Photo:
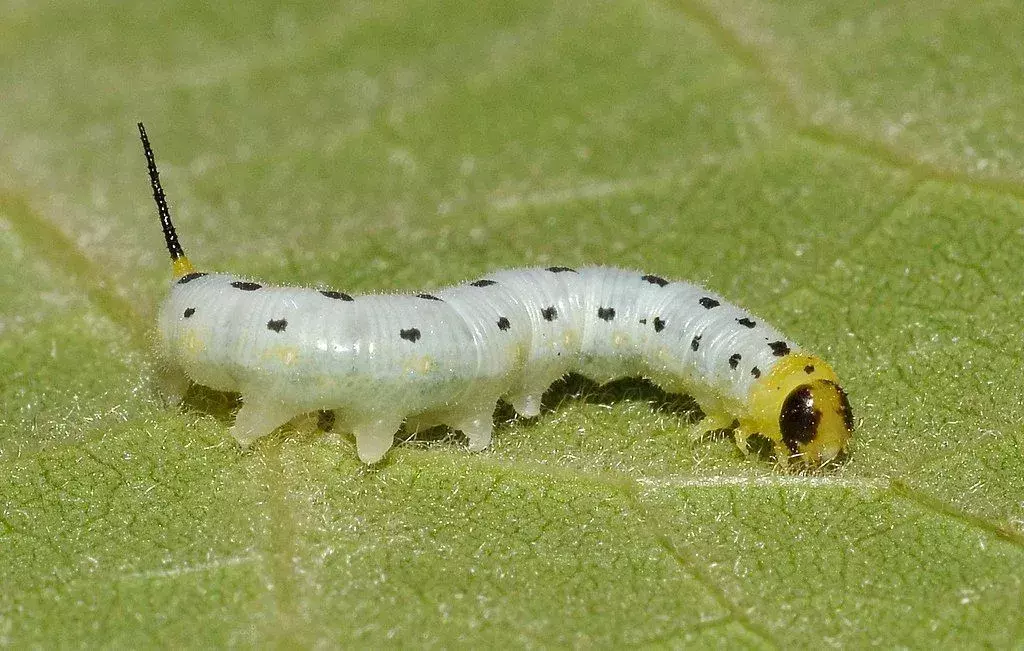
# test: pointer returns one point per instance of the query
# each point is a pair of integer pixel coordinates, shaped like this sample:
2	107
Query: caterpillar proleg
448	357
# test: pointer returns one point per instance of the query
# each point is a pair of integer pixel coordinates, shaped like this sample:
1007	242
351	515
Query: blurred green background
851	171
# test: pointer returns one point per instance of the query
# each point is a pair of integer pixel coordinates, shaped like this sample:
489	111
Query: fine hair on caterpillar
446	357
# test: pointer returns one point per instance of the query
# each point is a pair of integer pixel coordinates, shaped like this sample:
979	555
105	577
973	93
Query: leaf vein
50	243
931	503
754	60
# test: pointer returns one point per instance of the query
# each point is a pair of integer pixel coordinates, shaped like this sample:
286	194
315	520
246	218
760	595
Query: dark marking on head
187	278
483	283
734	360
695	344
799	419
339	296
654	280
844	401
779	348
412	334
549	313
246	286
606	313
503	323
189	312
643	321
429	297
558	270
659	324
707	302
277	325
809	369
756	372
746	323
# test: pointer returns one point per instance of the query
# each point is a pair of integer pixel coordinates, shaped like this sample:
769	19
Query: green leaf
849	170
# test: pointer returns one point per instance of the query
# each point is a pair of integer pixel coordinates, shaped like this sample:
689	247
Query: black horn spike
170	236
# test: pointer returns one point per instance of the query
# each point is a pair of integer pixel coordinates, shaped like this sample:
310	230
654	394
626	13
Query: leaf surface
849	171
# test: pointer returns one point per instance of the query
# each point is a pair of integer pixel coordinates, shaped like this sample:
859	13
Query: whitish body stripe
352	356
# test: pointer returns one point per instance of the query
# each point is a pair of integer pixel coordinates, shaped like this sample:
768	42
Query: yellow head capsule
802	409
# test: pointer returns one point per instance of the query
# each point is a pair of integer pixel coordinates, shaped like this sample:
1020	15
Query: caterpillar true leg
711	423
740	436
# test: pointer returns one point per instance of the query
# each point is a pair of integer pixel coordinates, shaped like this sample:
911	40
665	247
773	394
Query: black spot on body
189	312
277	325
734	360
695	344
339	296
746	323
606	313
756	372
799	419
549	313
655	280
643	321
503	324
483	283
707	302
779	348
659	324
558	270
246	286
809	369
187	278
429	297
412	334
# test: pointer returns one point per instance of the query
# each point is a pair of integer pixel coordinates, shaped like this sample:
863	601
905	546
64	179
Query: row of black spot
606	314
779	348
341	296
276	325
413	334
279	325
486	282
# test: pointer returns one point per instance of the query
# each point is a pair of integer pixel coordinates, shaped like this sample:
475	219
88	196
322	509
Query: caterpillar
447	357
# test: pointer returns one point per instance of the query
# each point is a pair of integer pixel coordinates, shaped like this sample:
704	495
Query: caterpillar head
803	410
